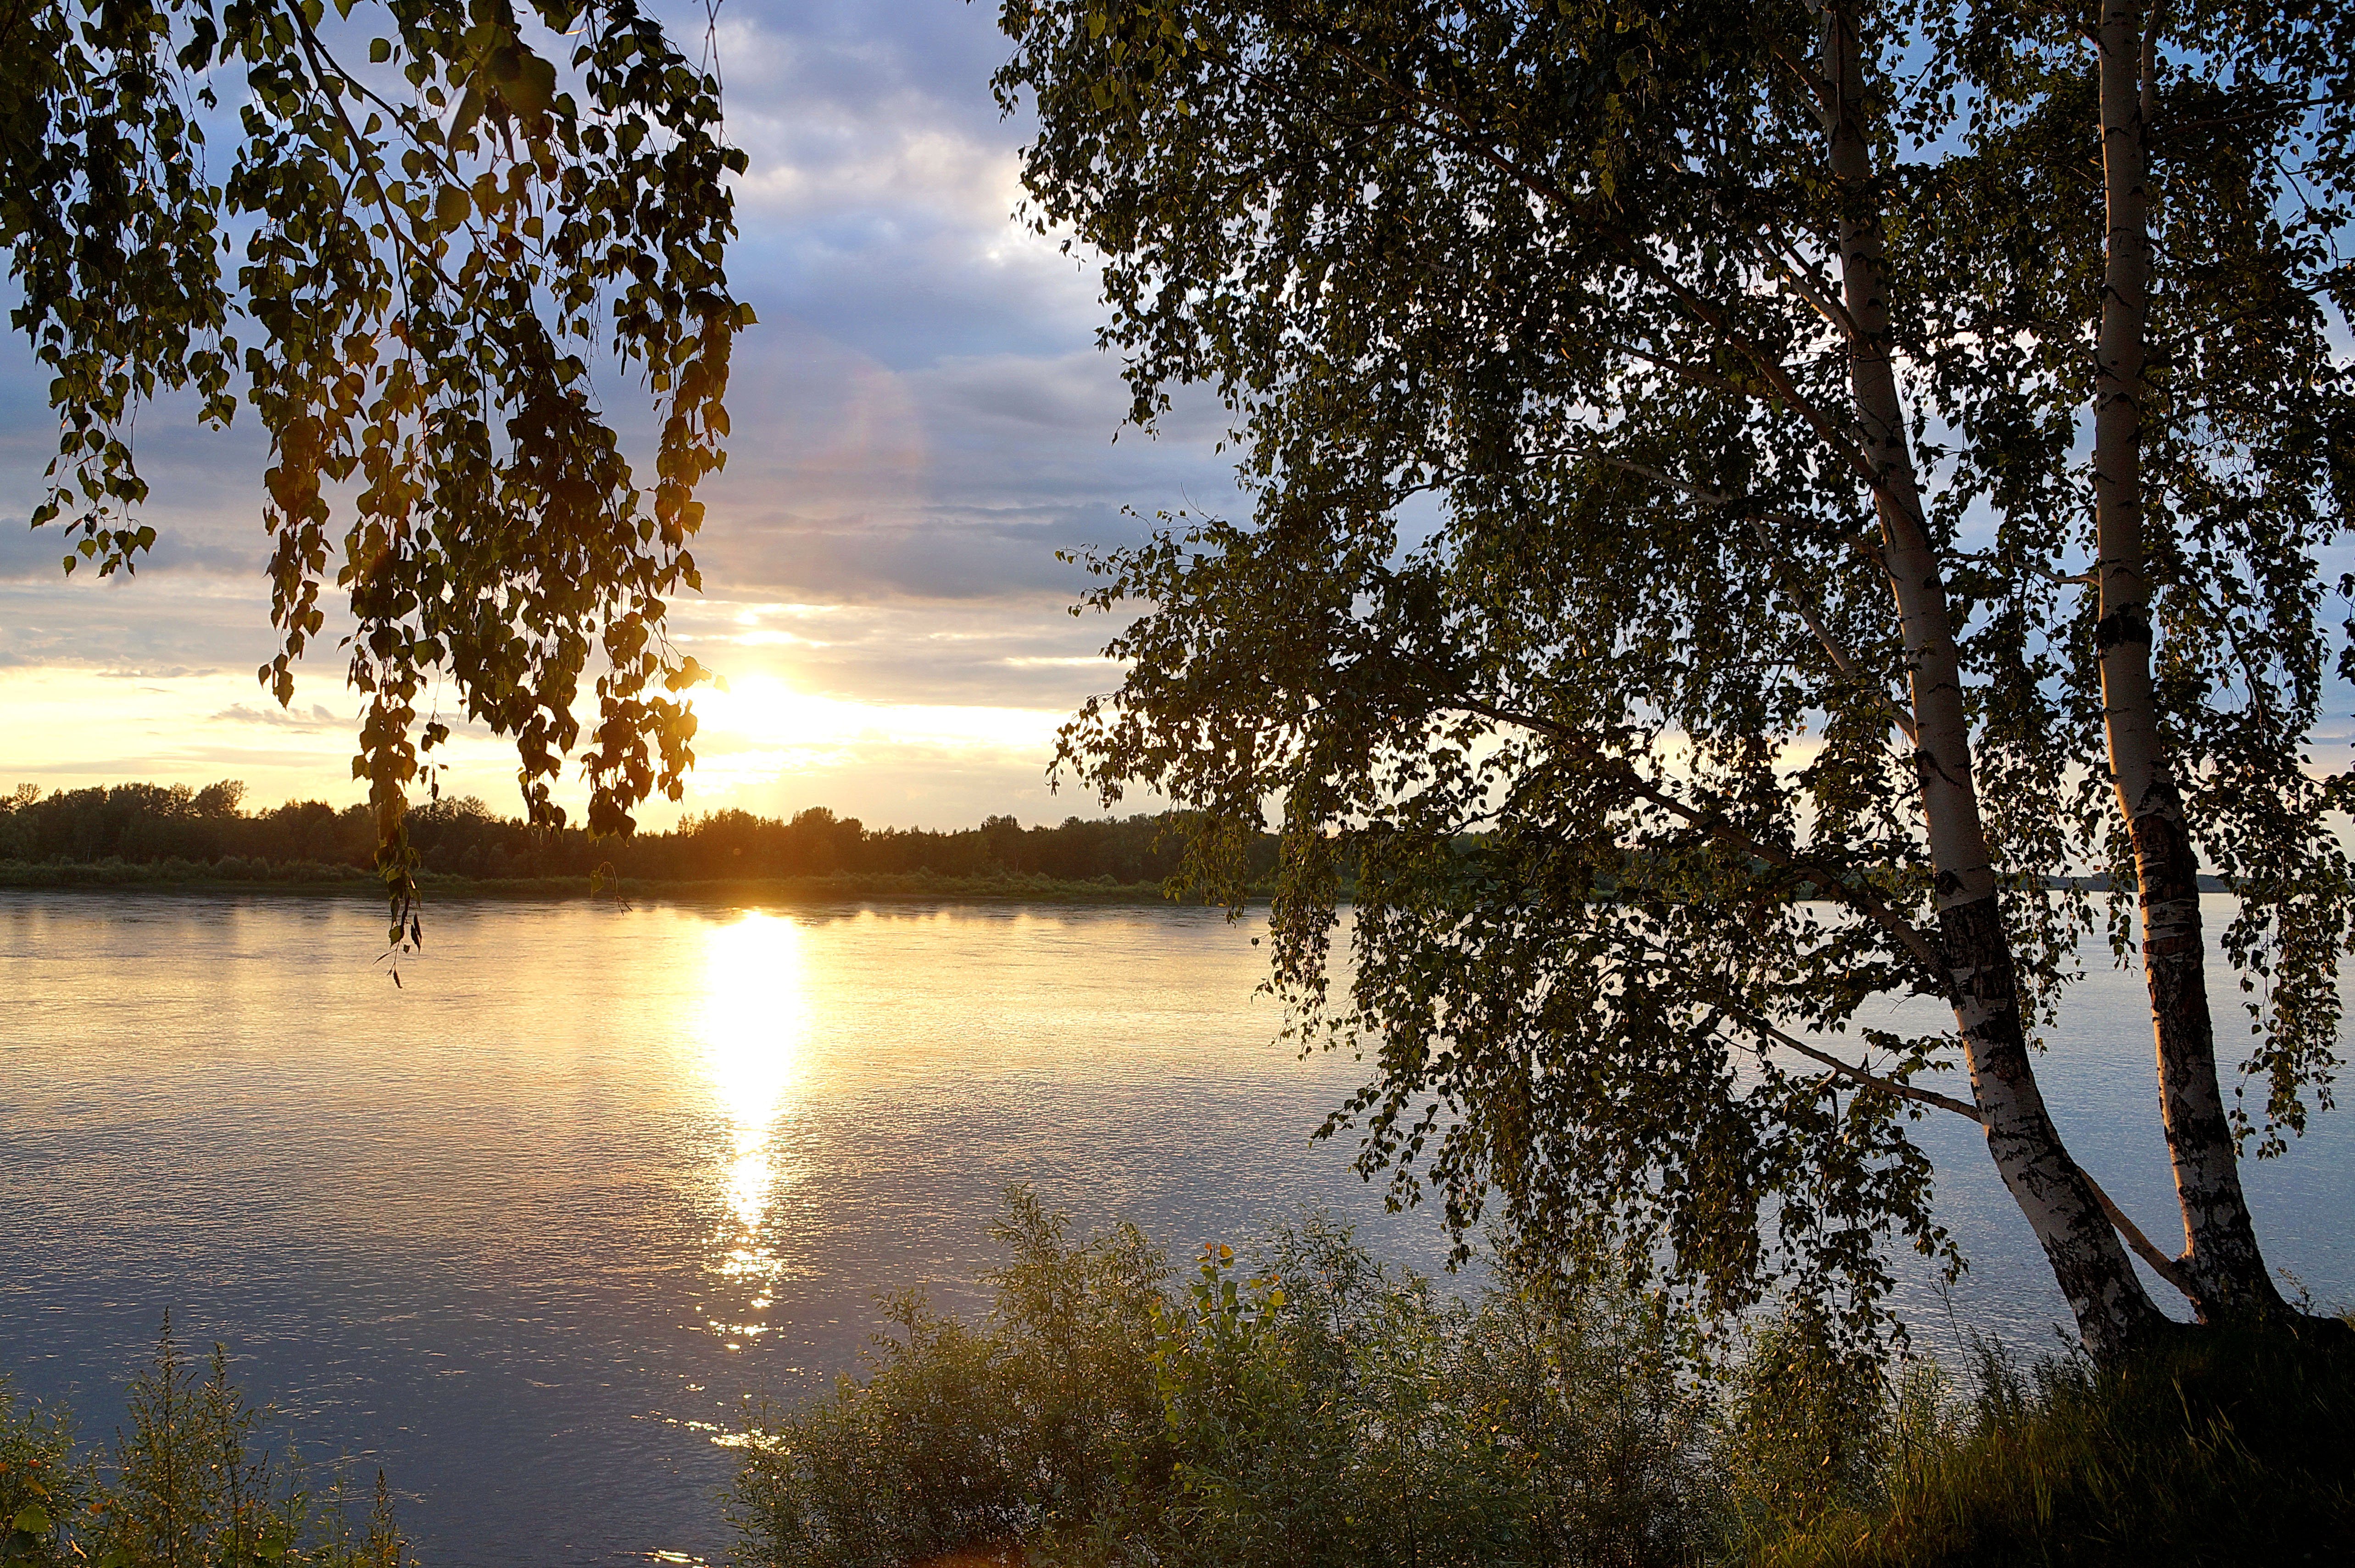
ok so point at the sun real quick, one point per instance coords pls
(763, 708)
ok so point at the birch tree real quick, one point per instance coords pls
(431, 221)
(1754, 505)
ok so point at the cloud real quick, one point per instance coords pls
(839, 114)
(961, 480)
(317, 719)
(37, 556)
(922, 421)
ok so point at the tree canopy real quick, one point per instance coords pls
(1755, 505)
(435, 220)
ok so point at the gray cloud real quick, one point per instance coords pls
(205, 486)
(36, 555)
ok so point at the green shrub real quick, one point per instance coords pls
(1810, 1430)
(975, 1440)
(43, 1483)
(1298, 1407)
(186, 1487)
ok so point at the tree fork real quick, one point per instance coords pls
(2113, 1313)
(2220, 1254)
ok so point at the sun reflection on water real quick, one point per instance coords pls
(754, 1019)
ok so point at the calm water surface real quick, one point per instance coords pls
(526, 1231)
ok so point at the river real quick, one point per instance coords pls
(527, 1229)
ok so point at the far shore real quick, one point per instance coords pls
(312, 880)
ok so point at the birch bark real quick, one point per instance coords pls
(2113, 1311)
(2221, 1256)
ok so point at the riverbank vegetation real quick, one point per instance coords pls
(192, 1484)
(142, 834)
(1299, 1404)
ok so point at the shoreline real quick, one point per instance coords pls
(314, 881)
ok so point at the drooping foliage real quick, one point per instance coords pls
(1563, 607)
(405, 236)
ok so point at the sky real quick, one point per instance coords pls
(920, 422)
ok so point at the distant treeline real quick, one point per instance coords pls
(150, 825)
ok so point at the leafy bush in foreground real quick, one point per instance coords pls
(187, 1487)
(1303, 1406)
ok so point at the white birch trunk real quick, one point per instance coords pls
(2221, 1256)
(2113, 1311)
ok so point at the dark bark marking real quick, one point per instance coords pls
(2127, 623)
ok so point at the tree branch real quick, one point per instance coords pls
(1682, 371)
(1834, 312)
(1820, 292)
(1842, 658)
(1850, 1071)
(1467, 140)
(1827, 878)
(2166, 1268)
(323, 66)
(1826, 101)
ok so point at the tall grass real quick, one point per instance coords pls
(188, 1486)
(2223, 1447)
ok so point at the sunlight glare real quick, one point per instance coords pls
(758, 707)
(754, 1017)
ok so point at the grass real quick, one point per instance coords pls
(2223, 1447)
(188, 1486)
